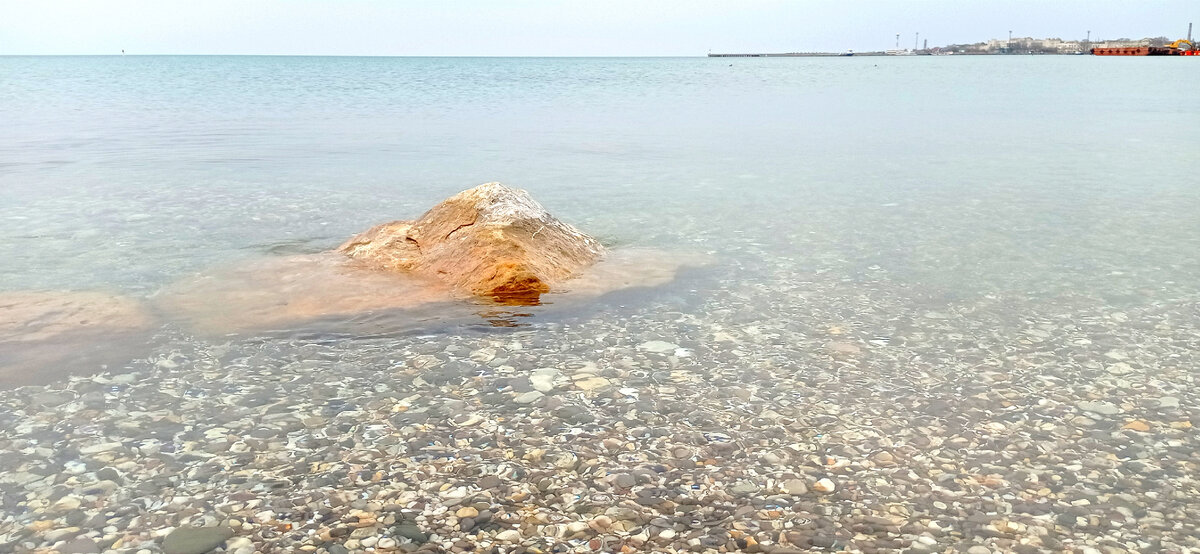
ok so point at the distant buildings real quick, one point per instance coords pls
(1030, 45)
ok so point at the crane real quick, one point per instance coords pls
(1179, 45)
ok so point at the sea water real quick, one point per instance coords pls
(997, 251)
(969, 172)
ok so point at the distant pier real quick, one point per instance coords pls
(785, 55)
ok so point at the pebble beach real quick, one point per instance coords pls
(632, 429)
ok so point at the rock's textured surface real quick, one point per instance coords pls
(491, 240)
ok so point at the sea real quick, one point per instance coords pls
(966, 175)
(1000, 251)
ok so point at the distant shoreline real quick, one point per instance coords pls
(901, 54)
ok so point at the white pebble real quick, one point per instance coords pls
(511, 535)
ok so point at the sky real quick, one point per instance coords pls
(559, 27)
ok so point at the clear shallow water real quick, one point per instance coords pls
(905, 248)
(994, 169)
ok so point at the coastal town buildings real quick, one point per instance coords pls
(1030, 45)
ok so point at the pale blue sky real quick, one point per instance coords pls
(557, 28)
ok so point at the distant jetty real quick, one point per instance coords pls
(787, 55)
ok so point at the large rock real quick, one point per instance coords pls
(29, 316)
(45, 335)
(329, 292)
(491, 240)
(276, 293)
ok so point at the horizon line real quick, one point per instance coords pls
(381, 55)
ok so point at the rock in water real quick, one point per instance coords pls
(47, 334)
(279, 291)
(195, 540)
(491, 240)
(28, 316)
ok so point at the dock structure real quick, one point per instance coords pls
(784, 55)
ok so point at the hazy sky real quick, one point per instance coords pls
(557, 27)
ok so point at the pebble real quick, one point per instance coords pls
(744, 488)
(824, 486)
(1137, 425)
(1102, 408)
(466, 511)
(61, 534)
(510, 535)
(543, 379)
(412, 532)
(80, 546)
(884, 459)
(591, 383)
(846, 348)
(99, 448)
(658, 347)
(795, 487)
(974, 429)
(529, 397)
(66, 504)
(195, 540)
(600, 524)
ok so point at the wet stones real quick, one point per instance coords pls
(939, 440)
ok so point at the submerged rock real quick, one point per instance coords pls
(487, 245)
(491, 240)
(28, 316)
(47, 334)
(278, 292)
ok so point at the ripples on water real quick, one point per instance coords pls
(963, 289)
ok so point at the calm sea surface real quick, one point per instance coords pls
(1001, 252)
(966, 174)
